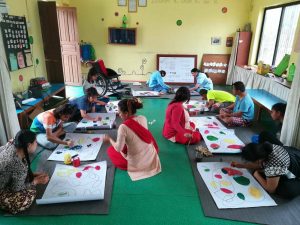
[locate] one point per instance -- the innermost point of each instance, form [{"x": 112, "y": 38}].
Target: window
[{"x": 278, "y": 32}]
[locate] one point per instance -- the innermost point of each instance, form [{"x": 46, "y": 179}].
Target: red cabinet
[{"x": 243, "y": 48}]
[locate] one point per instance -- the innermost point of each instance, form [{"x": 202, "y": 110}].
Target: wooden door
[
  {"x": 51, "y": 42},
  {"x": 69, "y": 45}
]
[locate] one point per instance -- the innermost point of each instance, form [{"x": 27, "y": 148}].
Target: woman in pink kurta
[
  {"x": 135, "y": 149},
  {"x": 177, "y": 127}
]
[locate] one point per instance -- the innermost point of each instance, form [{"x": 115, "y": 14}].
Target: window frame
[{"x": 283, "y": 6}]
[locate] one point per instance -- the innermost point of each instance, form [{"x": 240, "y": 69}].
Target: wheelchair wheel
[{"x": 101, "y": 85}]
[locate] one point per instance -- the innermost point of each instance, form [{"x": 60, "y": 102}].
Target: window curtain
[
  {"x": 9, "y": 124},
  {"x": 232, "y": 60},
  {"x": 290, "y": 134}
]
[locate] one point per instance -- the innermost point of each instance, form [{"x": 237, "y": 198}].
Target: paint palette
[
  {"x": 221, "y": 140},
  {"x": 145, "y": 93},
  {"x": 195, "y": 106},
  {"x": 208, "y": 122},
  {"x": 87, "y": 146},
  {"x": 232, "y": 187},
  {"x": 112, "y": 107},
  {"x": 107, "y": 121},
  {"x": 70, "y": 184}
]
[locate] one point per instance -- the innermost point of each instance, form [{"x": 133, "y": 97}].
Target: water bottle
[{"x": 291, "y": 73}]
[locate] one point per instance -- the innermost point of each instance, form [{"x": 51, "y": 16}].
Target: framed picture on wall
[
  {"x": 122, "y": 2},
  {"x": 142, "y": 3},
  {"x": 132, "y": 6},
  {"x": 215, "y": 40}
]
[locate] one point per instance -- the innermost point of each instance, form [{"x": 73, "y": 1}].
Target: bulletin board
[
  {"x": 16, "y": 41},
  {"x": 216, "y": 67},
  {"x": 177, "y": 67}
]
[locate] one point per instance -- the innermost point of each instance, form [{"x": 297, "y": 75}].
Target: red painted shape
[
  {"x": 97, "y": 168},
  {"x": 232, "y": 172},
  {"x": 215, "y": 146},
  {"x": 206, "y": 132},
  {"x": 189, "y": 106},
  {"x": 235, "y": 146},
  {"x": 218, "y": 176},
  {"x": 78, "y": 174},
  {"x": 96, "y": 139},
  {"x": 225, "y": 190},
  {"x": 87, "y": 168}
]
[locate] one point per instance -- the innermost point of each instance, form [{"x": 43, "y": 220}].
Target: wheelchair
[{"x": 108, "y": 79}]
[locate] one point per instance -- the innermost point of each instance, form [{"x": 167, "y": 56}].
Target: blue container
[{"x": 255, "y": 138}]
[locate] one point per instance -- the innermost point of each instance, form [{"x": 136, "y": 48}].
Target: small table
[
  {"x": 55, "y": 89},
  {"x": 263, "y": 99}
]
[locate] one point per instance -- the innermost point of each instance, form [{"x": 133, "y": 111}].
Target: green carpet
[{"x": 168, "y": 198}]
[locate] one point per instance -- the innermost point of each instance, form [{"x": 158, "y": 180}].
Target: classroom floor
[{"x": 168, "y": 198}]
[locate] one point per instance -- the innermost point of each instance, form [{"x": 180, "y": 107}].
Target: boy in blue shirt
[
  {"x": 156, "y": 82},
  {"x": 240, "y": 113},
  {"x": 202, "y": 81},
  {"x": 86, "y": 104}
]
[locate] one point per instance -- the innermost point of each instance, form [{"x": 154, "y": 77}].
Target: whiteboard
[{"x": 177, "y": 67}]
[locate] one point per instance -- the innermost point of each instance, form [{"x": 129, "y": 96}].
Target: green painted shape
[
  {"x": 212, "y": 138},
  {"x": 30, "y": 40},
  {"x": 37, "y": 61},
  {"x": 221, "y": 132},
  {"x": 207, "y": 170},
  {"x": 179, "y": 22},
  {"x": 241, "y": 196},
  {"x": 224, "y": 171},
  {"x": 242, "y": 180}
]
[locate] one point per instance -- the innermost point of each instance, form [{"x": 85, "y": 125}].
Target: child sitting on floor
[
  {"x": 135, "y": 149},
  {"x": 156, "y": 83},
  {"x": 277, "y": 114},
  {"x": 240, "y": 113},
  {"x": 217, "y": 99},
  {"x": 177, "y": 127},
  {"x": 17, "y": 181},
  {"x": 202, "y": 81},
  {"x": 277, "y": 168}
]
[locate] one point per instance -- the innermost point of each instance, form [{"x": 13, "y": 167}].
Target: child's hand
[
  {"x": 106, "y": 138},
  {"x": 70, "y": 143},
  {"x": 237, "y": 165}
]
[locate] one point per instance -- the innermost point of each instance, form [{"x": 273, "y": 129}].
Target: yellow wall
[
  {"x": 19, "y": 8},
  {"x": 256, "y": 17},
  {"x": 157, "y": 31}
]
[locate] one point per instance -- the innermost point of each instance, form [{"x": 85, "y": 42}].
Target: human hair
[
  {"x": 195, "y": 70},
  {"x": 65, "y": 109},
  {"x": 92, "y": 72},
  {"x": 279, "y": 107},
  {"x": 91, "y": 92},
  {"x": 239, "y": 86},
  {"x": 130, "y": 105},
  {"x": 203, "y": 92},
  {"x": 182, "y": 95},
  {"x": 253, "y": 152},
  {"x": 163, "y": 73},
  {"x": 21, "y": 141}
]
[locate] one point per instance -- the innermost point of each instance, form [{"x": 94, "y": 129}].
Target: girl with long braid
[
  {"x": 135, "y": 149},
  {"x": 17, "y": 182}
]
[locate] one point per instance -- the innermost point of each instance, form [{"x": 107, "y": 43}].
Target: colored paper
[
  {"x": 233, "y": 190},
  {"x": 74, "y": 184},
  {"x": 112, "y": 107},
  {"x": 86, "y": 146}
]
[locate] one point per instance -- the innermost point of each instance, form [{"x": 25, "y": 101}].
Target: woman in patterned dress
[
  {"x": 276, "y": 168},
  {"x": 17, "y": 182}
]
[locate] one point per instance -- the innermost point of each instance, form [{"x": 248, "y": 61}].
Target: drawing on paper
[
  {"x": 221, "y": 140},
  {"x": 232, "y": 187},
  {"x": 70, "y": 184},
  {"x": 207, "y": 121},
  {"x": 107, "y": 121},
  {"x": 86, "y": 146},
  {"x": 145, "y": 93},
  {"x": 195, "y": 106},
  {"x": 112, "y": 107}
]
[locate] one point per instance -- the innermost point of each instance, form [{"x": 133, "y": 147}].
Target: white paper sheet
[
  {"x": 194, "y": 105},
  {"x": 106, "y": 122},
  {"x": 232, "y": 187},
  {"x": 207, "y": 122},
  {"x": 71, "y": 184},
  {"x": 112, "y": 107},
  {"x": 144, "y": 93},
  {"x": 87, "y": 146},
  {"x": 221, "y": 140}
]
